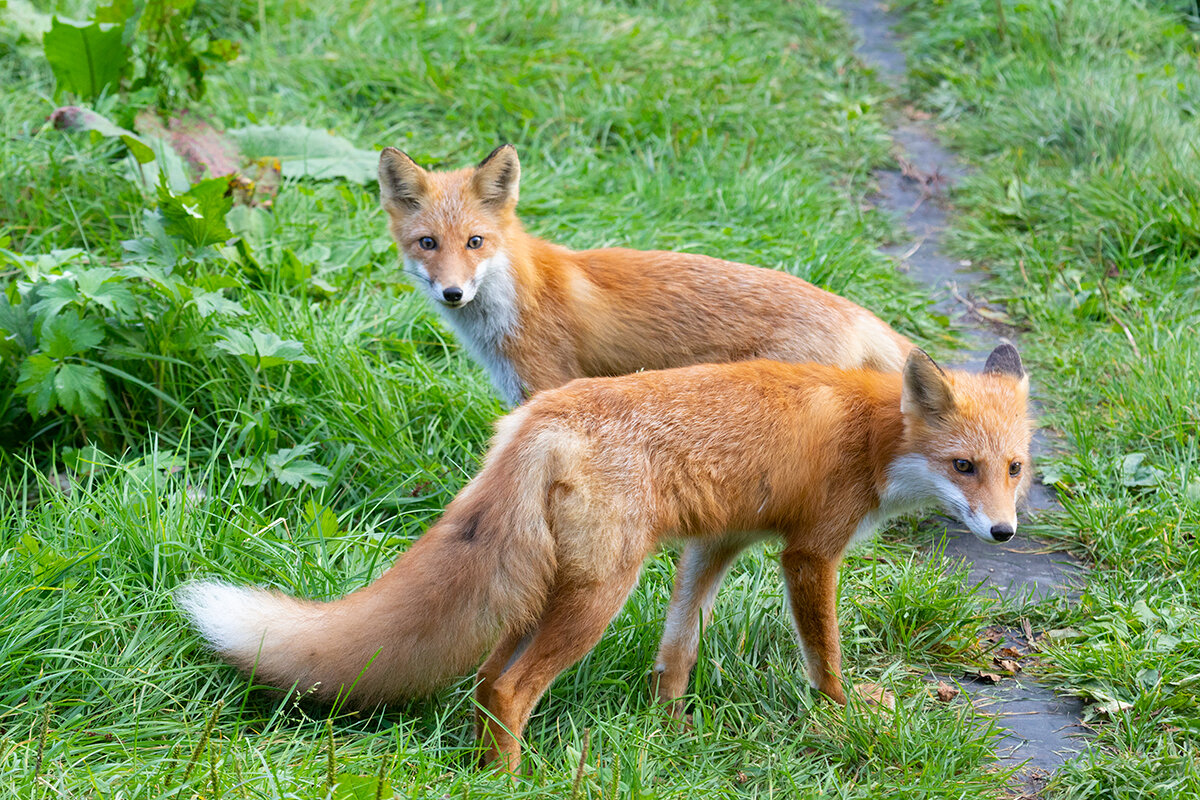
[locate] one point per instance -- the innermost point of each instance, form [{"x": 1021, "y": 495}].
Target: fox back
[{"x": 538, "y": 315}]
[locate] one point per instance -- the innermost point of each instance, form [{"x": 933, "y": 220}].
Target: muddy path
[{"x": 1042, "y": 729}]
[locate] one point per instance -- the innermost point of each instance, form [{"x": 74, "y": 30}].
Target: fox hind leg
[
  {"x": 575, "y": 617},
  {"x": 702, "y": 567},
  {"x": 506, "y": 649}
]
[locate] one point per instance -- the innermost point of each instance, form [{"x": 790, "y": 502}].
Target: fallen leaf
[
  {"x": 993, "y": 634},
  {"x": 1111, "y": 707},
  {"x": 946, "y": 692},
  {"x": 208, "y": 152},
  {"x": 1008, "y": 664},
  {"x": 1010, "y": 652},
  {"x": 994, "y": 315},
  {"x": 1030, "y": 639},
  {"x": 990, "y": 677}
]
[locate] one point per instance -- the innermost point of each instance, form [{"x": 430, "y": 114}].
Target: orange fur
[
  {"x": 541, "y": 315},
  {"x": 540, "y": 550}
]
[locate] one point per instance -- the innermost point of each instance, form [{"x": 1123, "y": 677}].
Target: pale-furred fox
[
  {"x": 537, "y": 315},
  {"x": 539, "y": 551}
]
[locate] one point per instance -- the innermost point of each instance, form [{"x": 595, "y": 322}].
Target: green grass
[
  {"x": 743, "y": 130},
  {"x": 1084, "y": 207}
]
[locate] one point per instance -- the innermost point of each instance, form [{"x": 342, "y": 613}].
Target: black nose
[
  {"x": 1002, "y": 532},
  {"x": 452, "y": 294}
]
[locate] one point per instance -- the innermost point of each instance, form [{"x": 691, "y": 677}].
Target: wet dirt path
[{"x": 1042, "y": 729}]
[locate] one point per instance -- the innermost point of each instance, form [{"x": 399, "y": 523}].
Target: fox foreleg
[{"x": 812, "y": 596}]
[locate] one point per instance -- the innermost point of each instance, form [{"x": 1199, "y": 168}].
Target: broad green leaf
[
  {"x": 301, "y": 471},
  {"x": 215, "y": 303},
  {"x": 248, "y": 471},
  {"x": 105, "y": 287},
  {"x": 308, "y": 153},
  {"x": 321, "y": 519},
  {"x": 157, "y": 246},
  {"x": 54, "y": 295},
  {"x": 1135, "y": 473},
  {"x": 67, "y": 334},
  {"x": 16, "y": 328},
  {"x": 273, "y": 350},
  {"x": 36, "y": 381},
  {"x": 86, "y": 58},
  {"x": 198, "y": 215},
  {"x": 237, "y": 343},
  {"x": 85, "y": 460},
  {"x": 288, "y": 467},
  {"x": 263, "y": 348},
  {"x": 80, "y": 389}
]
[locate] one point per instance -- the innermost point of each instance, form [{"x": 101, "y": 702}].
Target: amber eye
[
  {"x": 1014, "y": 468},
  {"x": 964, "y": 466},
  {"x": 474, "y": 242},
  {"x": 427, "y": 243}
]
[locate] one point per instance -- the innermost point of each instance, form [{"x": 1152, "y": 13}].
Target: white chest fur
[{"x": 483, "y": 324}]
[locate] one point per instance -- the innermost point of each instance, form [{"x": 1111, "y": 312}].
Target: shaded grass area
[
  {"x": 1081, "y": 119},
  {"x": 742, "y": 130}
]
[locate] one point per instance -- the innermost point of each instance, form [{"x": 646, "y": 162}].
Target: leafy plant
[
  {"x": 88, "y": 59},
  {"x": 153, "y": 49},
  {"x": 75, "y": 334}
]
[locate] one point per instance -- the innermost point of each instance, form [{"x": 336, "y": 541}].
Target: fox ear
[
  {"x": 497, "y": 176},
  {"x": 1005, "y": 360},
  {"x": 926, "y": 391},
  {"x": 401, "y": 181}
]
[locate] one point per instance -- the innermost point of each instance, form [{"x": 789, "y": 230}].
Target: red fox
[
  {"x": 538, "y": 552},
  {"x": 537, "y": 315}
]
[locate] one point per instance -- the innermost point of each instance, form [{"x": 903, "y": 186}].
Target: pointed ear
[
  {"x": 926, "y": 391},
  {"x": 401, "y": 181},
  {"x": 1005, "y": 360},
  {"x": 497, "y": 176}
]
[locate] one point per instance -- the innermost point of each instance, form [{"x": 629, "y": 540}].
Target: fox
[
  {"x": 538, "y": 552},
  {"x": 536, "y": 315}
]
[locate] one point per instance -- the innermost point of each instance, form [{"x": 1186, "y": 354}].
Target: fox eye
[
  {"x": 1014, "y": 468},
  {"x": 964, "y": 466},
  {"x": 427, "y": 243},
  {"x": 475, "y": 242}
]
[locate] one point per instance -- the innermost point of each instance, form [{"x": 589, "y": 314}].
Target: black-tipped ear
[
  {"x": 497, "y": 177},
  {"x": 401, "y": 181},
  {"x": 926, "y": 391},
  {"x": 1005, "y": 360}
]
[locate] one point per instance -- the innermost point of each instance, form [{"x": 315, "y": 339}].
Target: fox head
[
  {"x": 450, "y": 227},
  {"x": 967, "y": 440}
]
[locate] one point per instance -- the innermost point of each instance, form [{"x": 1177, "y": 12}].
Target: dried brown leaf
[{"x": 946, "y": 692}]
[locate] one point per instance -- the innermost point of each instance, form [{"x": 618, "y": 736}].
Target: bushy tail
[{"x": 485, "y": 567}]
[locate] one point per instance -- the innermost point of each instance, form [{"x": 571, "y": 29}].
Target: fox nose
[
  {"x": 1002, "y": 532},
  {"x": 452, "y": 294}
]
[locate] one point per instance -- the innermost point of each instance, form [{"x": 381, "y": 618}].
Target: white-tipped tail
[
  {"x": 484, "y": 568},
  {"x": 234, "y": 619}
]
